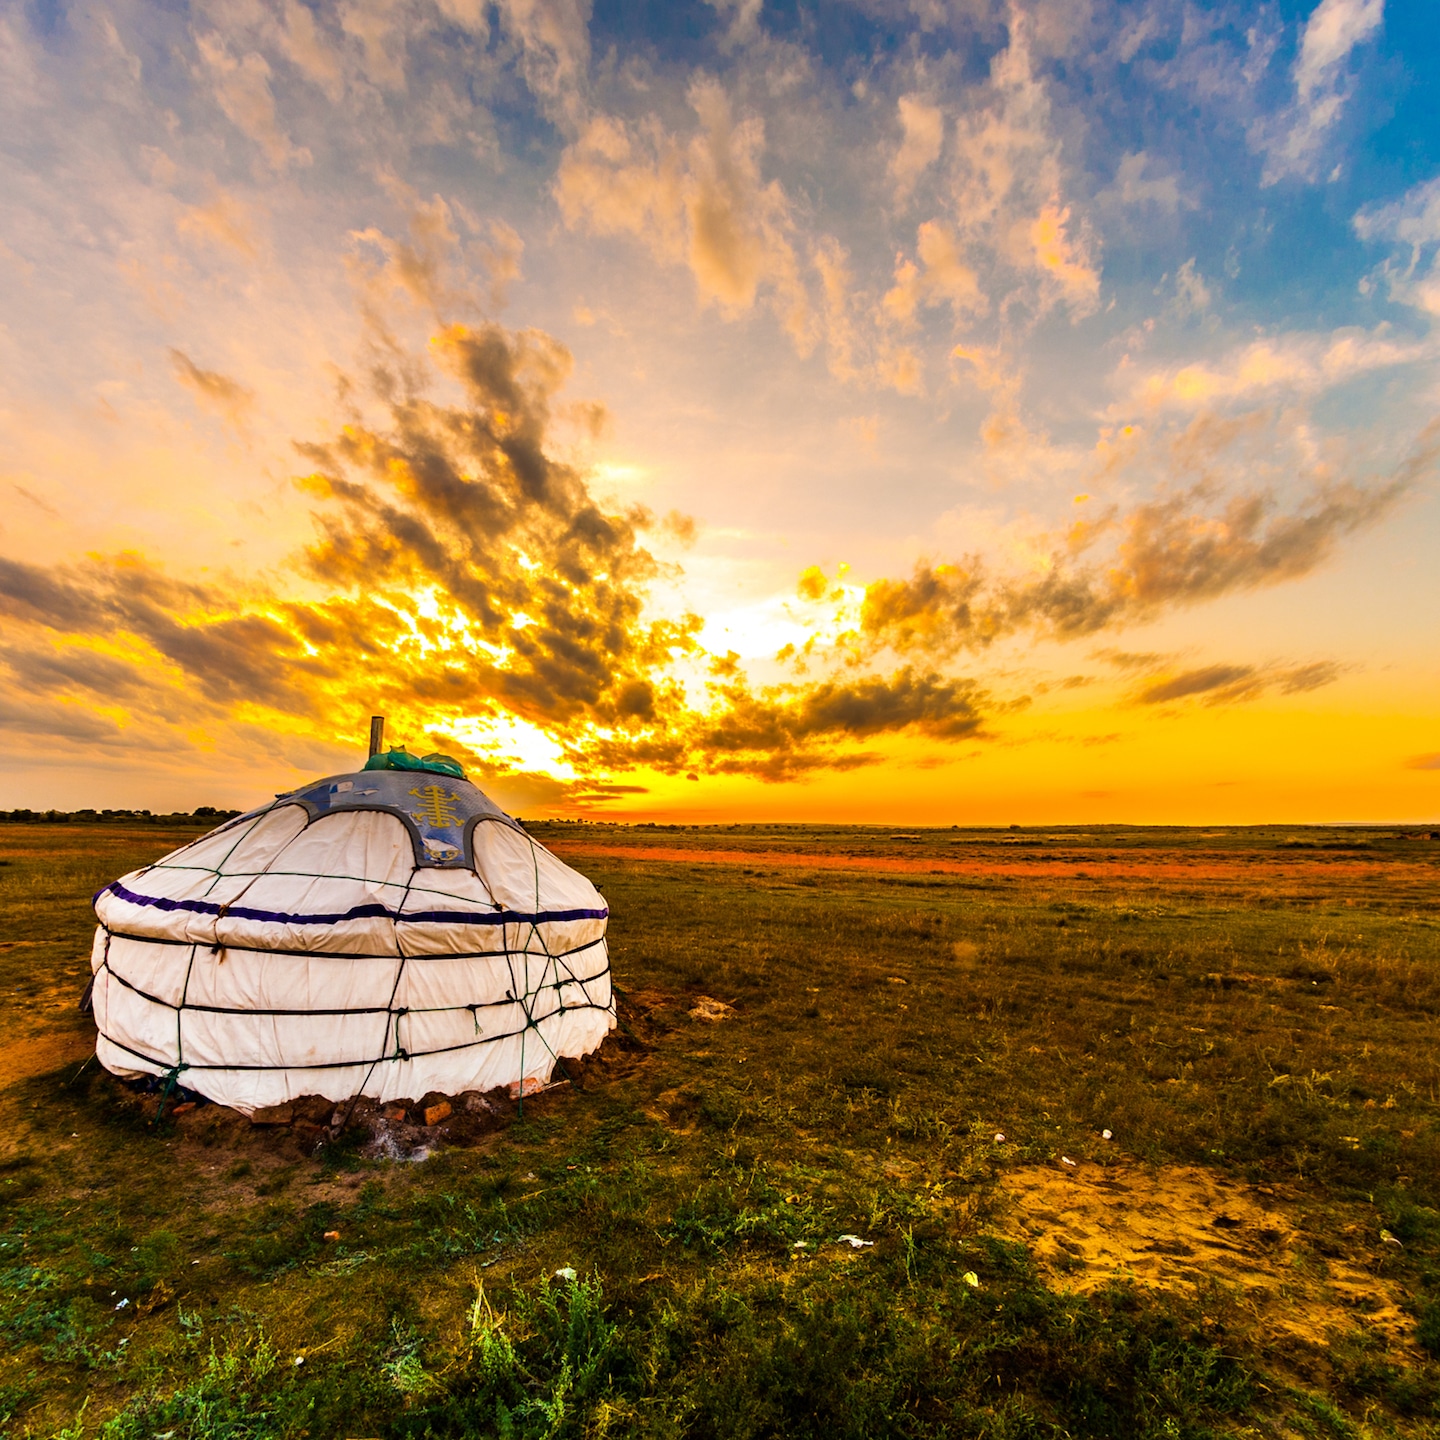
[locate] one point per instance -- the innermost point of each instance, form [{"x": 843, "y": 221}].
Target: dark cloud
[
  {"x": 1230, "y": 684},
  {"x": 1195, "y": 545},
  {"x": 28, "y": 592},
  {"x": 226, "y": 656},
  {"x": 64, "y": 724},
  {"x": 466, "y": 502},
  {"x": 465, "y": 569},
  {"x": 787, "y": 730},
  {"x": 38, "y": 670},
  {"x": 465, "y": 574},
  {"x": 1423, "y": 762},
  {"x": 1307, "y": 677}
]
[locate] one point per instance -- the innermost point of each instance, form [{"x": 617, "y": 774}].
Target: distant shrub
[{"x": 206, "y": 815}]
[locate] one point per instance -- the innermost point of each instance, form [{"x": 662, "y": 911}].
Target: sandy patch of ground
[
  {"x": 675, "y": 1110},
  {"x": 39, "y": 1054},
  {"x": 1182, "y": 1227}
]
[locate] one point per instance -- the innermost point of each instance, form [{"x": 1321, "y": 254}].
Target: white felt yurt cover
[{"x": 388, "y": 934}]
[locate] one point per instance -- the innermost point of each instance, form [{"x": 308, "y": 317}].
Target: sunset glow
[{"x": 908, "y": 413}]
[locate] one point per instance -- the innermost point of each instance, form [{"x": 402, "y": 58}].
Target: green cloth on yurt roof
[{"x": 401, "y": 759}]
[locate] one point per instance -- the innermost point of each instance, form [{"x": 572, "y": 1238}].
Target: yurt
[{"x": 388, "y": 933}]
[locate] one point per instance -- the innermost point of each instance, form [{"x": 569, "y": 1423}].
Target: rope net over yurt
[{"x": 386, "y": 934}]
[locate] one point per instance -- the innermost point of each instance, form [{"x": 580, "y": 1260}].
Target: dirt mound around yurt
[{"x": 313, "y": 1127}]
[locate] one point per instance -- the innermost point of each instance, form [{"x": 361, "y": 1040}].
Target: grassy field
[{"x": 928, "y": 1036}]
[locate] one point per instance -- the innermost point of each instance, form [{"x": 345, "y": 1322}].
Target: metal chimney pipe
[{"x": 377, "y": 734}]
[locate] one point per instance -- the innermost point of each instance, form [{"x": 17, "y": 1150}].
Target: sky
[{"x": 896, "y": 411}]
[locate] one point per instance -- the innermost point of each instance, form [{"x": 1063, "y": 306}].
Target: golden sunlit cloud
[
  {"x": 473, "y": 590},
  {"x": 1197, "y": 544}
]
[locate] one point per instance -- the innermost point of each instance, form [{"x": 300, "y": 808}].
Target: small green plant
[
  {"x": 404, "y": 1368},
  {"x": 231, "y": 1399}
]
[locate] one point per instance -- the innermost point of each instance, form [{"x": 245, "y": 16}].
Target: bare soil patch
[
  {"x": 302, "y": 1129},
  {"x": 31, "y": 1055},
  {"x": 1185, "y": 1228}
]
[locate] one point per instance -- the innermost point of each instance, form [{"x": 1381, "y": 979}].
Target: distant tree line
[{"x": 201, "y": 815}]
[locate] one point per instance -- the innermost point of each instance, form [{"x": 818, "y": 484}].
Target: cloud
[
  {"x": 462, "y": 563},
  {"x": 227, "y": 398},
  {"x": 1131, "y": 660},
  {"x": 468, "y": 574},
  {"x": 415, "y": 268},
  {"x": 34, "y": 499},
  {"x": 553, "y": 39},
  {"x": 614, "y": 180},
  {"x": 737, "y": 224},
  {"x": 542, "y": 590},
  {"x": 922, "y": 128},
  {"x": 453, "y": 263},
  {"x": 204, "y": 639},
  {"x": 1231, "y": 684},
  {"x": 679, "y": 527},
  {"x": 703, "y": 202},
  {"x": 744, "y": 27},
  {"x": 1137, "y": 189},
  {"x": 460, "y": 567},
  {"x": 1413, "y": 219},
  {"x": 1007, "y": 189},
  {"x": 942, "y": 277},
  {"x": 501, "y": 259},
  {"x": 789, "y": 730},
  {"x": 242, "y": 90},
  {"x": 1423, "y": 762},
  {"x": 460, "y": 577},
  {"x": 836, "y": 290},
  {"x": 224, "y": 221},
  {"x": 76, "y": 670},
  {"x": 1300, "y": 364},
  {"x": 1005, "y": 240},
  {"x": 786, "y": 731},
  {"x": 1062, "y": 256},
  {"x": 379, "y": 26},
  {"x": 1192, "y": 294},
  {"x": 1335, "y": 29},
  {"x": 65, "y": 727},
  {"x": 1412, "y": 222},
  {"x": 308, "y": 48},
  {"x": 1191, "y": 546}
]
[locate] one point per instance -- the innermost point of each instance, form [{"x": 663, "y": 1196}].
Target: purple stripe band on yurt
[{"x": 356, "y": 912}]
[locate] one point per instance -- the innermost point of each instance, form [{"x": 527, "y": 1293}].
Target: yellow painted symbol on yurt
[{"x": 437, "y": 807}]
